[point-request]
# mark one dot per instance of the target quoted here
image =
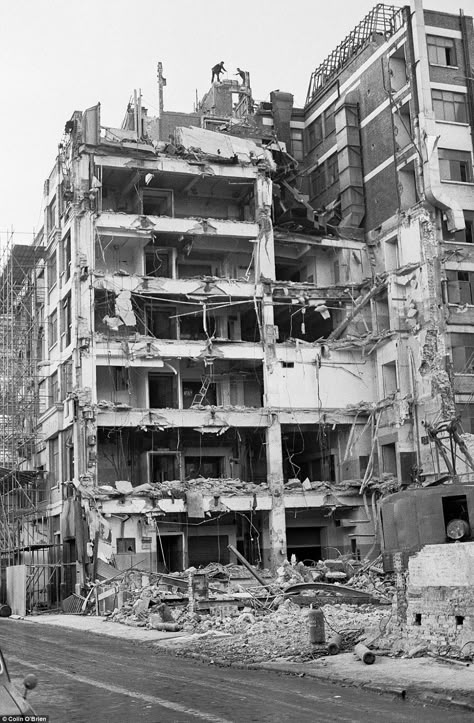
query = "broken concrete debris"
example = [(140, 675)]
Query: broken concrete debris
[(249, 332), (269, 619)]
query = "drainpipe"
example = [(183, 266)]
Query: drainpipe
[(434, 192)]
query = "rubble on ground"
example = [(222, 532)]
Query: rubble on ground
[(283, 634), (237, 620)]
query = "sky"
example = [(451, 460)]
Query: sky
[(58, 56)]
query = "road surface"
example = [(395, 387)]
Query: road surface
[(87, 678)]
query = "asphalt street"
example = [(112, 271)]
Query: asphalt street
[(87, 678)]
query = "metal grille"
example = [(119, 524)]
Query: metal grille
[(382, 20)]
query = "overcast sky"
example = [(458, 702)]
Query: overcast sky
[(58, 56)]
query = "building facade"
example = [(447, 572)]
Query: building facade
[(255, 318)]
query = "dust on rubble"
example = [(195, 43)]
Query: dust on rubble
[(231, 618)]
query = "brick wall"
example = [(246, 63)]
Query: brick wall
[(437, 603)]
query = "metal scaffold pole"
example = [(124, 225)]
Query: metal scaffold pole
[(19, 339)]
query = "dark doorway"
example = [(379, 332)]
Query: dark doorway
[(304, 543), (169, 552), (161, 391)]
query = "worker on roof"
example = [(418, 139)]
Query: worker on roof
[(243, 74), (217, 70)]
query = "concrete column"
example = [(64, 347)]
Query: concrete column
[(277, 524), (265, 269), (265, 252)]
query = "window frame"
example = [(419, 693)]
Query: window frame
[(318, 180), (53, 328), (448, 158), (315, 138), (443, 103), (332, 171), (436, 44)]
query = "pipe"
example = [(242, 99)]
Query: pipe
[(249, 567)]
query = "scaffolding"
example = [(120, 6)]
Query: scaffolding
[(382, 20), (20, 483)]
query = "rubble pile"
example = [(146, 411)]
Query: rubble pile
[(239, 621), (258, 636)]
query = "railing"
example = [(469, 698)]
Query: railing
[(383, 20)]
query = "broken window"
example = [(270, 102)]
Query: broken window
[(462, 346), (441, 51), (465, 235), (455, 165), (460, 287), (125, 544)]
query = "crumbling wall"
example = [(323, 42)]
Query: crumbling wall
[(436, 606)]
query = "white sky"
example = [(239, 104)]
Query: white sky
[(58, 56)]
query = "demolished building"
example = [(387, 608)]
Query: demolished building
[(252, 320)]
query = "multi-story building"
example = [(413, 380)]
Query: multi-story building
[(257, 317)]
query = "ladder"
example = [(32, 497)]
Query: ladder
[(201, 395)]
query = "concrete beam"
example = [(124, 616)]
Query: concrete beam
[(128, 224), (109, 350), (178, 287), (188, 418), (173, 165)]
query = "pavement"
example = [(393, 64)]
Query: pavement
[(425, 678)]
